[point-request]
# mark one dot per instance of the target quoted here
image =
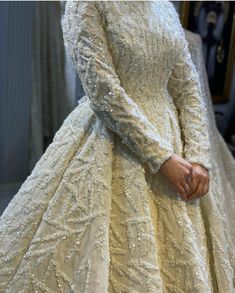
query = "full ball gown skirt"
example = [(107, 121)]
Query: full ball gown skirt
[(95, 214)]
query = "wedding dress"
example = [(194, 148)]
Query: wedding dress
[(223, 163), (95, 214)]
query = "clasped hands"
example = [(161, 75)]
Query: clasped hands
[(189, 180)]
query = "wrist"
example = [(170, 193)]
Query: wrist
[(165, 162), (200, 165)]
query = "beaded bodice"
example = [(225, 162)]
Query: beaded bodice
[(141, 40), (134, 64)]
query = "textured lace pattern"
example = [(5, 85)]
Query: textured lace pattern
[(184, 86), (95, 215), (119, 108)]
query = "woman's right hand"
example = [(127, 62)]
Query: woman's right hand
[(179, 173)]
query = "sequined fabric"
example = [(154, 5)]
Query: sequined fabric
[(95, 214)]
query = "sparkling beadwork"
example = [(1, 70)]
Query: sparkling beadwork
[(92, 216)]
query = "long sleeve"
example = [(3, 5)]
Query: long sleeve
[(184, 86), (85, 40)]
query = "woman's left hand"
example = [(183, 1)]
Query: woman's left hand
[(200, 181)]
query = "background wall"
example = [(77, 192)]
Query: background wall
[(15, 93)]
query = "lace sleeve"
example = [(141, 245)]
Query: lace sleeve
[(184, 86), (86, 42)]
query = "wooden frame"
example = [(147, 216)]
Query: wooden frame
[(225, 92)]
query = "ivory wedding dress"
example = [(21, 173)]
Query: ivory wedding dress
[(95, 214)]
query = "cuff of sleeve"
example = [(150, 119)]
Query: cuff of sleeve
[(202, 160), (154, 163), (198, 154)]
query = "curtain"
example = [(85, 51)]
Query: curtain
[(55, 83)]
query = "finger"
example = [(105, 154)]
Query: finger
[(206, 188), (181, 191), (201, 189), (186, 187), (205, 185), (188, 165), (194, 184), (205, 191), (198, 192), (188, 179), (195, 192)]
